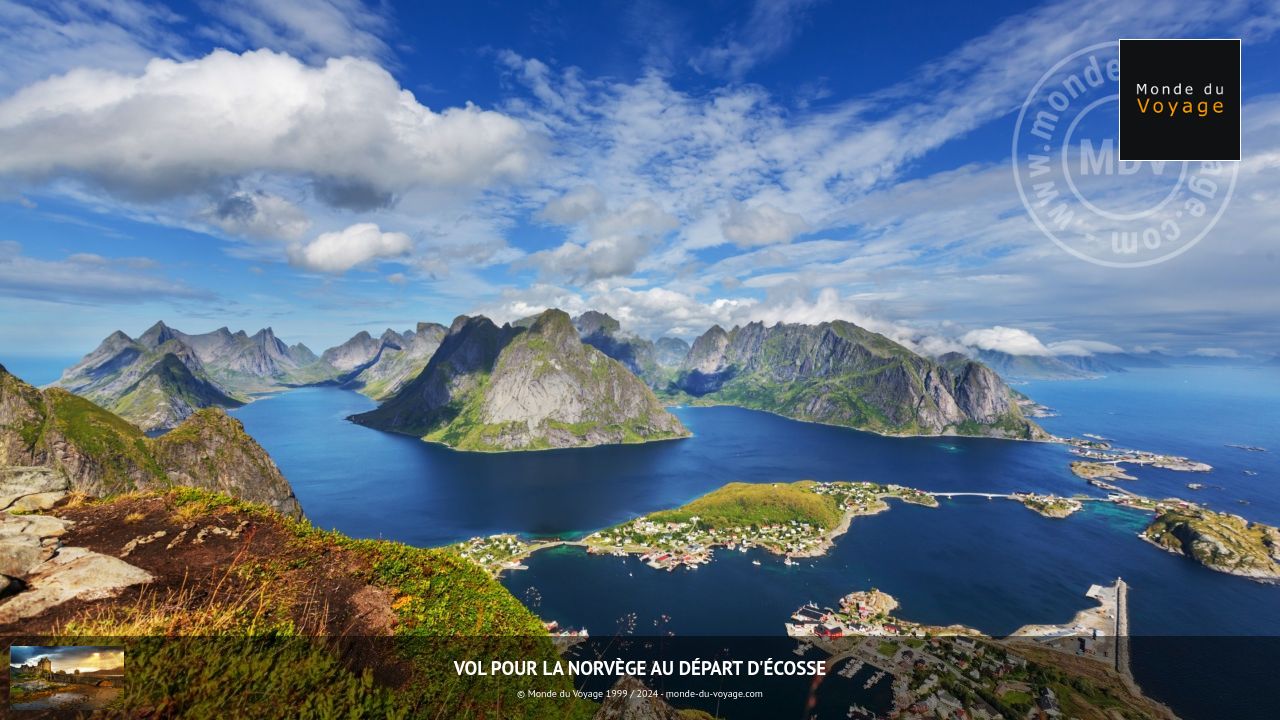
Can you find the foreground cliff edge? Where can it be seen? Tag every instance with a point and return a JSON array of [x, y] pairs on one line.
[[103, 541], [212, 593], [491, 388]]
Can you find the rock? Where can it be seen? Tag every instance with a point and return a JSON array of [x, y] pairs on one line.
[[52, 441], [635, 703], [31, 488], [26, 541], [72, 574]]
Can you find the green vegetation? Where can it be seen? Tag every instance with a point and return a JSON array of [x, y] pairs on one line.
[[118, 448], [755, 504], [253, 643]]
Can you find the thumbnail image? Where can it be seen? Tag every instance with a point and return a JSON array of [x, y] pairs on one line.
[[64, 680]]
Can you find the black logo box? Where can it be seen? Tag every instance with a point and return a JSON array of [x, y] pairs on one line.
[[1185, 67]]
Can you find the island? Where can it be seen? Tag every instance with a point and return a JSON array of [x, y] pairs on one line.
[[1050, 506], [1219, 541], [1094, 470]]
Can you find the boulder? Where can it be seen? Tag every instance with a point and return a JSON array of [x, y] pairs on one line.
[[72, 574], [31, 488]]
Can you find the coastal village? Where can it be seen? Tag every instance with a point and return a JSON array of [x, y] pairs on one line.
[[957, 672]]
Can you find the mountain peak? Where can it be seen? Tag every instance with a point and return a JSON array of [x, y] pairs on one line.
[[157, 335], [554, 322], [592, 322]]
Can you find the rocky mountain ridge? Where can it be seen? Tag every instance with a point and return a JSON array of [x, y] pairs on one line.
[[523, 388], [838, 373]]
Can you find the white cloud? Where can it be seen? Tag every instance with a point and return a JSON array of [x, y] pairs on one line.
[[770, 28], [186, 127], [258, 215], [1083, 348], [607, 243], [1216, 352], [574, 206], [314, 30], [762, 224], [338, 252], [1005, 339]]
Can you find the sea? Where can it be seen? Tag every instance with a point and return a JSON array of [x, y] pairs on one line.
[[1205, 643]]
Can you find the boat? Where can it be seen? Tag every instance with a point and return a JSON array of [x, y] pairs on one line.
[[755, 562]]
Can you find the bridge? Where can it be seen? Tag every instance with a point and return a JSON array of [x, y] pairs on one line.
[[95, 680], [989, 496]]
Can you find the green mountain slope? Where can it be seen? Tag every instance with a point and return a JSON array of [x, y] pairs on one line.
[[98, 453]]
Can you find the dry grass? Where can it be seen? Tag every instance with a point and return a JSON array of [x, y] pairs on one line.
[[245, 609], [134, 517]]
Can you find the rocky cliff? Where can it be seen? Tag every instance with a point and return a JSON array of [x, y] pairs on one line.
[[517, 388], [379, 368], [60, 442], [839, 373]]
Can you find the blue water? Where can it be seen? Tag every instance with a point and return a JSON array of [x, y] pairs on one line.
[[993, 565], [37, 370]]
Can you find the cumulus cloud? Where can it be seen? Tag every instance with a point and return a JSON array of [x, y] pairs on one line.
[[1005, 339], [574, 206], [184, 127], [340, 251], [258, 215], [762, 224]]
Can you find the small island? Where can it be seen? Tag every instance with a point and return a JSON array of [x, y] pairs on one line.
[[1219, 541], [1050, 506], [1096, 471]]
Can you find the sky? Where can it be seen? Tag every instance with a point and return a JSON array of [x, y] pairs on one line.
[[333, 166], [69, 658]]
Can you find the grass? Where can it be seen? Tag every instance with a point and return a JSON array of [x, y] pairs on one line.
[[756, 504], [239, 629]]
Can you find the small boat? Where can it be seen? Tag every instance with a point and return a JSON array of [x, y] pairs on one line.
[[755, 562]]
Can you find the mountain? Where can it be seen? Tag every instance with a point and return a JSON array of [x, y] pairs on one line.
[[379, 368], [356, 352], [165, 375], [518, 388], [652, 362], [247, 364], [88, 449], [1036, 367], [670, 351], [841, 374]]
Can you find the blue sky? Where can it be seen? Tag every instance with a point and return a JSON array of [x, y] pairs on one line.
[[330, 166]]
